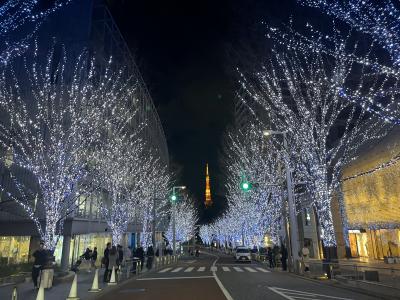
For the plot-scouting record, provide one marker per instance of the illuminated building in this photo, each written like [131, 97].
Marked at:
[371, 187]
[208, 201]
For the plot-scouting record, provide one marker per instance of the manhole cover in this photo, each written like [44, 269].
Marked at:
[127, 291]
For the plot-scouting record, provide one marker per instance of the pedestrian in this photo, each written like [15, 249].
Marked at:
[271, 257]
[140, 255]
[40, 256]
[128, 253]
[94, 257]
[305, 256]
[284, 256]
[120, 255]
[87, 254]
[106, 261]
[150, 257]
[169, 249]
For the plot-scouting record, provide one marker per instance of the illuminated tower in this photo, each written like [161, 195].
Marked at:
[208, 201]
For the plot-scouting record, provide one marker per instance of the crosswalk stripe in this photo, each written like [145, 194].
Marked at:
[201, 269]
[165, 270]
[190, 269]
[214, 269]
[263, 270]
[177, 270]
[226, 269]
[238, 269]
[250, 269]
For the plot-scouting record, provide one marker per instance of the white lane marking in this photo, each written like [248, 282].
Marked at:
[177, 270]
[173, 278]
[221, 286]
[201, 269]
[226, 269]
[165, 270]
[190, 269]
[213, 269]
[263, 270]
[250, 269]
[294, 294]
[237, 269]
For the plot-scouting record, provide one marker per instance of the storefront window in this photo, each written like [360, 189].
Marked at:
[14, 249]
[389, 239]
[358, 243]
[83, 241]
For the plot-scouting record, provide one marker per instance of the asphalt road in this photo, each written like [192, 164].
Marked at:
[218, 277]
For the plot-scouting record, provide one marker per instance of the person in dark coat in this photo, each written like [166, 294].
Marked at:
[271, 257]
[87, 254]
[284, 256]
[150, 257]
[40, 256]
[106, 262]
[140, 255]
[94, 256]
[120, 254]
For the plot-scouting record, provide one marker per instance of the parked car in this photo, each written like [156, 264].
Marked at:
[243, 254]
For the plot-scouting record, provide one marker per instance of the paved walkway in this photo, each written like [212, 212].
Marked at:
[60, 290]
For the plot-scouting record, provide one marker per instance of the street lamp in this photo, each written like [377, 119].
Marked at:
[174, 198]
[294, 231]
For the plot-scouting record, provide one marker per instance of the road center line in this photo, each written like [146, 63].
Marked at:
[221, 286]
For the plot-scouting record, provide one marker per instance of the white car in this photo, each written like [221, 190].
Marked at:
[243, 254]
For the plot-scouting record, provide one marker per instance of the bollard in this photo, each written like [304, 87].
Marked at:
[95, 285]
[112, 280]
[73, 292]
[14, 295]
[40, 294]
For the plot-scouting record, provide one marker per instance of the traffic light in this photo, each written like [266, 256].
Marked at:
[173, 197]
[245, 186]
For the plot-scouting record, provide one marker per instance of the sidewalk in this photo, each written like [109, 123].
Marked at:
[60, 290]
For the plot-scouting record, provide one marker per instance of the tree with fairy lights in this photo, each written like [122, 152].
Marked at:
[116, 165]
[378, 19]
[50, 114]
[153, 198]
[303, 94]
[253, 185]
[186, 217]
[19, 22]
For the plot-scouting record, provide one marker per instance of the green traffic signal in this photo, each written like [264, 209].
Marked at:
[173, 198]
[245, 186]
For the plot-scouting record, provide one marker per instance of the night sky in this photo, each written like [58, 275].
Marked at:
[187, 52]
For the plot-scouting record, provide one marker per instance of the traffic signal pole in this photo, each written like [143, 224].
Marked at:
[293, 226]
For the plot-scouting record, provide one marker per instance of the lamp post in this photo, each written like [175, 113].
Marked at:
[294, 231]
[174, 198]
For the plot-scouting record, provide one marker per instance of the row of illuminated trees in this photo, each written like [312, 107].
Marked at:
[74, 125]
[71, 125]
[331, 97]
